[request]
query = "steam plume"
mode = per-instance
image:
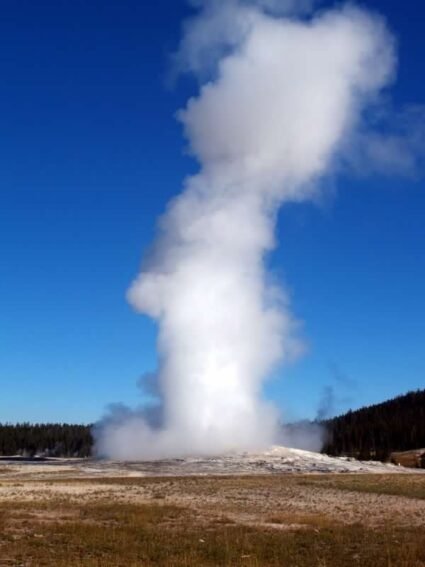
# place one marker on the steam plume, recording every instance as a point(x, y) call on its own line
point(278, 100)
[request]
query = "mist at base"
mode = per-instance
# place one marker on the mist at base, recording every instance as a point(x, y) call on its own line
point(280, 98)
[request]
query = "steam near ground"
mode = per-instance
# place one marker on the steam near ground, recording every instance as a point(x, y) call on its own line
point(280, 103)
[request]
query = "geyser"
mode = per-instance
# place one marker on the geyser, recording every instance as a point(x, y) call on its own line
point(280, 97)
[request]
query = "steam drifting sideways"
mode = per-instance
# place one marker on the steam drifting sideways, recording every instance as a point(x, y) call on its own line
point(280, 98)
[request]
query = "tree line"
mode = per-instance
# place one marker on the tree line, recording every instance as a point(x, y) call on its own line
point(46, 439)
point(374, 432)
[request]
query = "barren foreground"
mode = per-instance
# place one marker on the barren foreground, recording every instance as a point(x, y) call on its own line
point(105, 515)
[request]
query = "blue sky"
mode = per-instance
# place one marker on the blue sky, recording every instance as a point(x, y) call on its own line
point(90, 155)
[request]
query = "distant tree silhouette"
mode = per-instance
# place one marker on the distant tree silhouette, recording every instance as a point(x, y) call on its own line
point(368, 433)
point(374, 432)
point(46, 439)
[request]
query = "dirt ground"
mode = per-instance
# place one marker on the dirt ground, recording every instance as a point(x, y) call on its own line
point(345, 498)
point(35, 496)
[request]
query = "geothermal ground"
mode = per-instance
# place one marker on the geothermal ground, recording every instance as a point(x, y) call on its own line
point(283, 507)
point(276, 460)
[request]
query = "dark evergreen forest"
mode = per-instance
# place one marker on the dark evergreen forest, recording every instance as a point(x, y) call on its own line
point(368, 433)
point(46, 439)
point(376, 431)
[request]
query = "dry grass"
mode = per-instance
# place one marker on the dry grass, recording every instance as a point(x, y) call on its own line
point(409, 486)
point(235, 521)
point(126, 535)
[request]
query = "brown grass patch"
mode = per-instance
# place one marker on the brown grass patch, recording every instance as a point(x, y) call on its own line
point(281, 520)
point(127, 535)
point(408, 486)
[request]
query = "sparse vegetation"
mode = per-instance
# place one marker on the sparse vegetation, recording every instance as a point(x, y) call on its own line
point(408, 486)
point(228, 521)
point(127, 535)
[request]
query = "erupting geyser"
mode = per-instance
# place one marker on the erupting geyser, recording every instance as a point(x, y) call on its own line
point(280, 97)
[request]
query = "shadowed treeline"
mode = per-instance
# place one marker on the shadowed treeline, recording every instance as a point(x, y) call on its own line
point(46, 439)
point(376, 431)
point(372, 432)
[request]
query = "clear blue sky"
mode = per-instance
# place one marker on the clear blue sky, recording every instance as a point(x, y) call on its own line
point(90, 154)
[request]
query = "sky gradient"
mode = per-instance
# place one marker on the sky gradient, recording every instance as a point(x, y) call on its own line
point(91, 154)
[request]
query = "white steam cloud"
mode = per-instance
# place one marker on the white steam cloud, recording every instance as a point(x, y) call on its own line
point(284, 95)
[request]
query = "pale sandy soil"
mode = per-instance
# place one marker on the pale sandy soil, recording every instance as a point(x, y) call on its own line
point(239, 501)
point(283, 501)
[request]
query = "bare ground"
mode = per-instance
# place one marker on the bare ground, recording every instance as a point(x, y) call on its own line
point(275, 519)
